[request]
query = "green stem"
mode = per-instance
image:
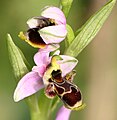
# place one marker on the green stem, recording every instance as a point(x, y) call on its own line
point(32, 102)
point(44, 105)
point(66, 5)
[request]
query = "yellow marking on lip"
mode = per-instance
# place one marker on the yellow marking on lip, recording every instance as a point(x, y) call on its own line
point(23, 37)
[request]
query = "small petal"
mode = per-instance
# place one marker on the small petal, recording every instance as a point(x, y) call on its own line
point(42, 57)
point(63, 114)
point(32, 23)
point(67, 64)
point(39, 69)
point(53, 34)
point(54, 13)
point(28, 85)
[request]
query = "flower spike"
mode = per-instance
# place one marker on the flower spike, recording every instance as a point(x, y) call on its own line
point(55, 73)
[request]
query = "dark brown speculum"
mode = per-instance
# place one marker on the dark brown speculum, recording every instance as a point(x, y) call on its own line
point(67, 91)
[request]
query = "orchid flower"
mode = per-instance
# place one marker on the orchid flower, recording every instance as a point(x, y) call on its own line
point(33, 81)
point(48, 28)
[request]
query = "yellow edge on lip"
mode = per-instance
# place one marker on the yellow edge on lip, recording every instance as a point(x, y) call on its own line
point(23, 37)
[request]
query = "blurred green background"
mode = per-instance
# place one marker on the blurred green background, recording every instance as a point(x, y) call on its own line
point(96, 71)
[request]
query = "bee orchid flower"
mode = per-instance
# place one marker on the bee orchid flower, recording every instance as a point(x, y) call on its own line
point(46, 29)
point(32, 82)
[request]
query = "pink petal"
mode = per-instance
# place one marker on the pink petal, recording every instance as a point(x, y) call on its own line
point(39, 69)
point(67, 64)
point(53, 34)
point(28, 85)
point(42, 56)
point(54, 13)
point(63, 114)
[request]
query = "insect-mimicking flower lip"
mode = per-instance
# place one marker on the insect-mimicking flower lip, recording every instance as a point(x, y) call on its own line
point(33, 81)
point(62, 86)
point(49, 28)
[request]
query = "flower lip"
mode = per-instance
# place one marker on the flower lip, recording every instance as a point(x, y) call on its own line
point(34, 37)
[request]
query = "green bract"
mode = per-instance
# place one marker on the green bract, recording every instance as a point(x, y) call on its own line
point(89, 30)
point(17, 59)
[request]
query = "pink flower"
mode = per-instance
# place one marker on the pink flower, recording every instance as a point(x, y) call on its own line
point(49, 28)
point(63, 114)
point(34, 81)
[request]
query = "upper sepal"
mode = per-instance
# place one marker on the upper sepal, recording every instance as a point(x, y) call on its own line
point(54, 13)
point(28, 85)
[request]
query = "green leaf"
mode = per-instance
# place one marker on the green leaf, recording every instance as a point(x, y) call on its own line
point(17, 59)
point(90, 29)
